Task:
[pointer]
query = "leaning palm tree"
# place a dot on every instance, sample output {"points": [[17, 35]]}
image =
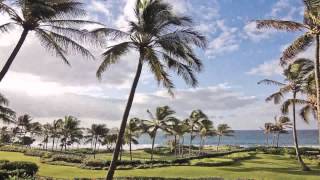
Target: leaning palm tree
{"points": [[164, 41], [158, 121], [54, 22], [310, 26], [132, 133], [194, 122], [6, 114], [223, 130], [294, 86]]}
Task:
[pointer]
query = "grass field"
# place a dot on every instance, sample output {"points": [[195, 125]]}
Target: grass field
{"points": [[262, 167]]}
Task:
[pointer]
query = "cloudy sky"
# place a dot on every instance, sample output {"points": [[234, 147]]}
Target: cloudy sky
{"points": [[238, 57]]}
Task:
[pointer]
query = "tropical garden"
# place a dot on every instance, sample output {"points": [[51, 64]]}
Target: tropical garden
{"points": [[166, 43]]}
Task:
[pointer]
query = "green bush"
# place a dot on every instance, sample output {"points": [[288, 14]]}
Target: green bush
{"points": [[37, 153], [9, 148], [67, 158], [18, 168]]}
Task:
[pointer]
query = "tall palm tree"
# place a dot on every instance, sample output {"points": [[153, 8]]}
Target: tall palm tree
{"points": [[71, 132], [46, 128], [132, 133], [280, 126], [174, 129], [223, 130], [194, 121], [6, 114], [54, 22], [311, 28], [206, 129], [23, 124], [294, 86], [164, 41], [158, 121], [55, 131], [96, 134]]}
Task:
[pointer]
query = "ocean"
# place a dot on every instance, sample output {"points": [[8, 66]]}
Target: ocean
{"points": [[245, 138]]}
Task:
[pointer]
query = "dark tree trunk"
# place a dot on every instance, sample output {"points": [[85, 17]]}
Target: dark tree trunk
{"points": [[53, 139], [278, 137], [13, 55], [295, 138], [152, 147], [191, 134], [175, 145], [95, 147], [182, 150], [317, 79], [218, 143], [130, 149], [124, 121]]}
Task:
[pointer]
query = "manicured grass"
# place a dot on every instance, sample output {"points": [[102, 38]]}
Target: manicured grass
{"points": [[262, 167], [137, 155]]}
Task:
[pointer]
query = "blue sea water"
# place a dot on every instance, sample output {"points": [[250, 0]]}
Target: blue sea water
{"points": [[244, 138]]}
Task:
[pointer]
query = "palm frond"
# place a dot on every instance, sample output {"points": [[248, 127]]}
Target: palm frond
{"points": [[306, 111], [109, 32], [280, 25], [69, 45], [276, 97], [112, 55], [6, 27], [298, 46], [271, 82], [289, 102], [50, 44]]}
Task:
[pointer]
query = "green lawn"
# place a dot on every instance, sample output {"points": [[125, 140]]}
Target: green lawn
{"points": [[262, 167]]}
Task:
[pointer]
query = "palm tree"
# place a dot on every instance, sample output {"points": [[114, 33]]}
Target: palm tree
{"points": [[46, 129], [194, 121], [310, 26], [132, 133], [294, 85], [95, 135], [52, 22], [157, 122], [174, 129], [181, 131], [164, 41], [280, 126], [71, 132], [223, 130], [267, 131], [6, 114], [55, 131], [23, 124], [205, 129]]}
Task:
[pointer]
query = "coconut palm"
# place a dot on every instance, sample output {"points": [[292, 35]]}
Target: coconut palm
{"points": [[6, 114], [206, 129], [96, 134], [164, 41], [132, 133], [23, 124], [280, 126], [294, 86], [267, 130], [174, 129], [71, 132], [223, 130], [55, 23], [311, 28], [158, 121], [46, 129], [55, 131], [194, 122]]}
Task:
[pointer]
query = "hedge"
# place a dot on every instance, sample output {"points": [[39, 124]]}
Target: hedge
{"points": [[20, 169]]}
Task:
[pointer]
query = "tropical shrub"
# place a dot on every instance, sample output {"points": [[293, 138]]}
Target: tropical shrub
{"points": [[67, 158], [19, 168]]}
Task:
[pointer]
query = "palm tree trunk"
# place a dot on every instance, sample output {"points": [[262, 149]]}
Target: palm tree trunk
{"points": [[175, 145], [124, 121], [14, 53], [317, 79], [95, 147], [267, 139], [278, 135], [152, 147], [218, 143], [179, 146], [295, 138], [130, 149], [200, 143], [191, 133], [53, 139], [182, 146]]}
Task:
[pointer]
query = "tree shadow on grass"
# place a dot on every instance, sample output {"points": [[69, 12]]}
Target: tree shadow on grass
{"points": [[292, 171]]}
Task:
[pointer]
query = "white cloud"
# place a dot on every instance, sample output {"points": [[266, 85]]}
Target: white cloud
{"points": [[100, 7], [226, 41], [269, 68]]}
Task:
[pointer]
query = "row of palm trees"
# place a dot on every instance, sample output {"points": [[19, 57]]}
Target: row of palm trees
{"points": [[164, 40], [66, 132], [276, 128]]}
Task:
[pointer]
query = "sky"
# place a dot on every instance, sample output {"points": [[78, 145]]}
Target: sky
{"points": [[237, 57]]}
